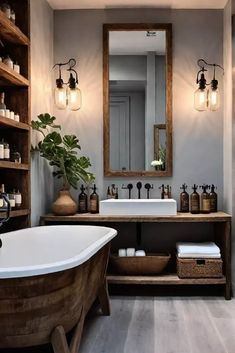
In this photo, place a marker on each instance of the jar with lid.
(11, 197)
(8, 61)
(6, 9)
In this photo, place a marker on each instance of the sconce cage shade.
(60, 97)
(74, 98)
(200, 99)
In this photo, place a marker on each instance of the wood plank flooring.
(159, 325)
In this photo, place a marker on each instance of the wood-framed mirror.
(137, 91)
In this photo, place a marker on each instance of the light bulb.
(74, 98)
(60, 95)
(214, 96)
(200, 99)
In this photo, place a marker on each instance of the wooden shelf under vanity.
(219, 222)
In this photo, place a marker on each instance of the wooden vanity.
(220, 223)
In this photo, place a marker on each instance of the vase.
(64, 204)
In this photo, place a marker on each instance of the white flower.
(156, 162)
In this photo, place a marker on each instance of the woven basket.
(140, 265)
(199, 267)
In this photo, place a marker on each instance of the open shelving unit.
(219, 223)
(16, 39)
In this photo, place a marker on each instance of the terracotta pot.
(64, 205)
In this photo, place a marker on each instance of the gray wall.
(197, 137)
(41, 101)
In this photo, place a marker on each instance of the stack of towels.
(198, 250)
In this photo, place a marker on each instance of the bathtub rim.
(43, 269)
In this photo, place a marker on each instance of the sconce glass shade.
(60, 97)
(74, 98)
(200, 99)
(214, 99)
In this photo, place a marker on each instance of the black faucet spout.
(139, 186)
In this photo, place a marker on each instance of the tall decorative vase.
(64, 204)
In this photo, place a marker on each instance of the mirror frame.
(167, 27)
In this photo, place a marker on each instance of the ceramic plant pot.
(64, 204)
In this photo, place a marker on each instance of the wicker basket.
(199, 267)
(140, 265)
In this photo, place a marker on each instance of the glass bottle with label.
(94, 201)
(2, 149)
(205, 199)
(213, 199)
(194, 200)
(18, 199)
(6, 151)
(82, 201)
(184, 199)
(2, 101)
(3, 204)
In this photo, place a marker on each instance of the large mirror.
(137, 72)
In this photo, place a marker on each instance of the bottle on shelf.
(2, 149)
(194, 200)
(18, 199)
(94, 201)
(6, 151)
(3, 204)
(184, 199)
(15, 155)
(205, 199)
(12, 199)
(8, 61)
(2, 101)
(213, 199)
(82, 201)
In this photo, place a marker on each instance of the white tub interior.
(40, 250)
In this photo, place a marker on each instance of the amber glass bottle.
(82, 201)
(205, 199)
(194, 201)
(184, 199)
(94, 201)
(213, 199)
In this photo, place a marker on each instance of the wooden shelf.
(12, 165)
(180, 217)
(11, 32)
(16, 213)
(168, 279)
(11, 77)
(9, 123)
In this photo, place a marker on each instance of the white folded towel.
(198, 248)
(199, 256)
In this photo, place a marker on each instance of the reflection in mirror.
(137, 95)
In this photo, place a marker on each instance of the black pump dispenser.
(213, 199)
(205, 199)
(82, 201)
(195, 200)
(184, 199)
(94, 201)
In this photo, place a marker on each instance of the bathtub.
(49, 278)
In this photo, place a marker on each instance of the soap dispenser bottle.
(194, 200)
(162, 187)
(213, 199)
(184, 199)
(205, 199)
(94, 201)
(82, 201)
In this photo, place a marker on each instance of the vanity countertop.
(180, 217)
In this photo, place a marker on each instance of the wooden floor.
(160, 325)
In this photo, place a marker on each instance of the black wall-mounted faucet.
(139, 186)
(148, 187)
(129, 187)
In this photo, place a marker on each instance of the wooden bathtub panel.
(30, 308)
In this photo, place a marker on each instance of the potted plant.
(62, 154)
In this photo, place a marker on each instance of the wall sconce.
(67, 94)
(203, 98)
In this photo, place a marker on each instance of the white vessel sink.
(150, 207)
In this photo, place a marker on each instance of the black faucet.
(148, 187)
(129, 187)
(139, 186)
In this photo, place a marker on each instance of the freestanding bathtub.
(49, 278)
